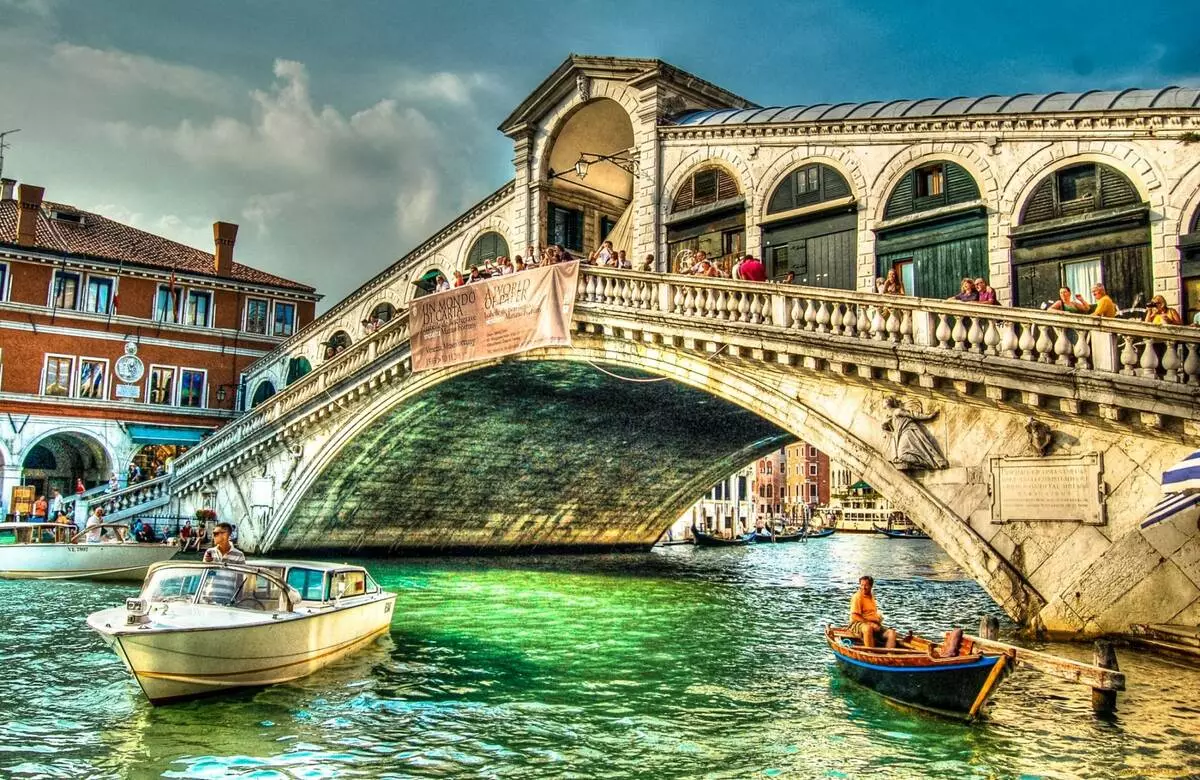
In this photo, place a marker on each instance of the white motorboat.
(200, 628)
(52, 551)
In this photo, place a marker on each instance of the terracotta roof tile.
(104, 238)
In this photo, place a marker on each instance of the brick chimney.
(6, 188)
(224, 236)
(29, 204)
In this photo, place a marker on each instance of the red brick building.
(807, 477)
(117, 346)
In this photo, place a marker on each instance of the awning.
(1184, 476)
(165, 434)
(1169, 507)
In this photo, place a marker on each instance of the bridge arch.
(782, 406)
(262, 391)
(91, 457)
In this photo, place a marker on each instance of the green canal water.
(678, 663)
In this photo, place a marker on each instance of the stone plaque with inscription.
(1053, 489)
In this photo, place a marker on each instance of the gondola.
(799, 536)
(708, 540)
(915, 673)
(902, 533)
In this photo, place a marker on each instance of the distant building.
(727, 508)
(807, 481)
(855, 506)
(120, 348)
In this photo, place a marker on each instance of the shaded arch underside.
(525, 455)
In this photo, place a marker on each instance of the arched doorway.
(58, 460)
(589, 178)
(810, 229)
(1083, 224)
(929, 243)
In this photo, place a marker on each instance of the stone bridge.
(672, 382)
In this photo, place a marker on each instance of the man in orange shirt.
(866, 621)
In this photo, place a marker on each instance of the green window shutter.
(1042, 204)
(783, 197)
(901, 202)
(1115, 189)
(960, 185)
(833, 184)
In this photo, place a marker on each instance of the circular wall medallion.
(129, 368)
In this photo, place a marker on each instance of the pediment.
(579, 72)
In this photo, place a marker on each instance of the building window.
(66, 290)
(191, 387)
(99, 295)
(164, 304)
(1077, 183)
(337, 344)
(812, 492)
(3, 281)
(812, 469)
(812, 451)
(1082, 275)
(285, 319)
(93, 378)
(930, 181)
(198, 309)
(161, 389)
(256, 316)
(770, 466)
(56, 379)
(606, 226)
(565, 228)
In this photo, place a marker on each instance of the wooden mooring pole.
(1104, 700)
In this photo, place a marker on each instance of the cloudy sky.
(339, 135)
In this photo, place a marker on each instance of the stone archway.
(58, 459)
(587, 178)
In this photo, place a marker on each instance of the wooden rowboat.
(708, 540)
(902, 533)
(915, 674)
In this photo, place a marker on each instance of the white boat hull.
(259, 648)
(49, 561)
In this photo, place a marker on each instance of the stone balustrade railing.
(69, 503)
(136, 498)
(1168, 354)
(357, 356)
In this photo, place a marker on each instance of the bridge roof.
(1167, 98)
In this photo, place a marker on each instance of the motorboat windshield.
(241, 587)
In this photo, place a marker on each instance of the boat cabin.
(51, 533)
(262, 585)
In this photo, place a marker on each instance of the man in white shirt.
(222, 586)
(95, 534)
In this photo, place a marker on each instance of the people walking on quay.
(866, 621)
(56, 503)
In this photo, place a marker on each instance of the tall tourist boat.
(953, 679)
(202, 628)
(50, 551)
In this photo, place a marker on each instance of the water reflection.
(680, 663)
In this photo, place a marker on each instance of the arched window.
(297, 367)
(708, 215)
(264, 391)
(705, 187)
(1082, 225)
(806, 186)
(936, 247)
(931, 186)
(818, 246)
(337, 344)
(489, 246)
(428, 282)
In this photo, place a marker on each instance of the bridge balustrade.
(1162, 352)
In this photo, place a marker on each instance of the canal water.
(678, 663)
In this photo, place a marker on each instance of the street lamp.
(586, 159)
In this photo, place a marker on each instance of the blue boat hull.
(945, 690)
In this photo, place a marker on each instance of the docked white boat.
(50, 551)
(200, 628)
